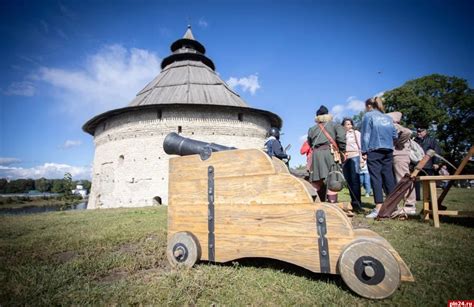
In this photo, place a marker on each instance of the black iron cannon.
(175, 144)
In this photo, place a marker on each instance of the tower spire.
(189, 33)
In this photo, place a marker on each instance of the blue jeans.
(351, 174)
(365, 180)
(380, 164)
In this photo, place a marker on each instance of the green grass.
(16, 202)
(117, 256)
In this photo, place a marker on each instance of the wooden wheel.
(369, 269)
(183, 249)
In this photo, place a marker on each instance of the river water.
(34, 209)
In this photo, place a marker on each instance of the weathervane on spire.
(189, 22)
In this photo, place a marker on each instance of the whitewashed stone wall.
(130, 167)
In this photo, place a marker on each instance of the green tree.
(68, 184)
(357, 119)
(58, 186)
(42, 185)
(3, 185)
(445, 103)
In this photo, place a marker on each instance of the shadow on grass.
(288, 268)
(458, 220)
(465, 221)
(368, 205)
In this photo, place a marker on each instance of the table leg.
(434, 202)
(426, 200)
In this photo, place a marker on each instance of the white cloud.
(352, 107)
(70, 143)
(109, 78)
(8, 161)
(47, 170)
(249, 83)
(24, 88)
(203, 23)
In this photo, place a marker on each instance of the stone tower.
(130, 167)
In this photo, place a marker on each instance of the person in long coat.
(322, 159)
(401, 159)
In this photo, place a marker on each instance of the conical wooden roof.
(188, 77)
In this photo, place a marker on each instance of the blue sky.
(63, 62)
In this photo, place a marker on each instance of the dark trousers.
(380, 164)
(429, 172)
(351, 174)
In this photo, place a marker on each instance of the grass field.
(117, 256)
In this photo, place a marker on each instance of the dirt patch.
(148, 275)
(65, 256)
(115, 275)
(128, 248)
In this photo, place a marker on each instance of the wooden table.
(430, 194)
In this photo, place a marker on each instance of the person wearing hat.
(320, 138)
(273, 146)
(377, 136)
(401, 159)
(426, 142)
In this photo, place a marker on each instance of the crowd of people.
(375, 158)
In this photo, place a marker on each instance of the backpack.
(416, 152)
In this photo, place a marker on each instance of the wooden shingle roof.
(188, 82)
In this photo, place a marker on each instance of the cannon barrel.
(174, 144)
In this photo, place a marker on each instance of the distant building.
(130, 167)
(79, 190)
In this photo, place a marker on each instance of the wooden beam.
(448, 177)
(434, 203)
(457, 172)
(453, 213)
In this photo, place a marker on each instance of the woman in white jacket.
(351, 167)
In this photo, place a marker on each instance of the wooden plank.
(457, 172)
(279, 166)
(280, 188)
(455, 213)
(448, 177)
(242, 162)
(434, 203)
(265, 220)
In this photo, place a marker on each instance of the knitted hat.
(322, 110)
(421, 125)
(396, 116)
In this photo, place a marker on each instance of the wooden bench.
(430, 194)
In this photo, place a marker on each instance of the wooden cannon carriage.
(234, 204)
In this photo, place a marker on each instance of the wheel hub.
(180, 252)
(369, 270)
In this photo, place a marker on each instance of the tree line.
(445, 104)
(43, 185)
